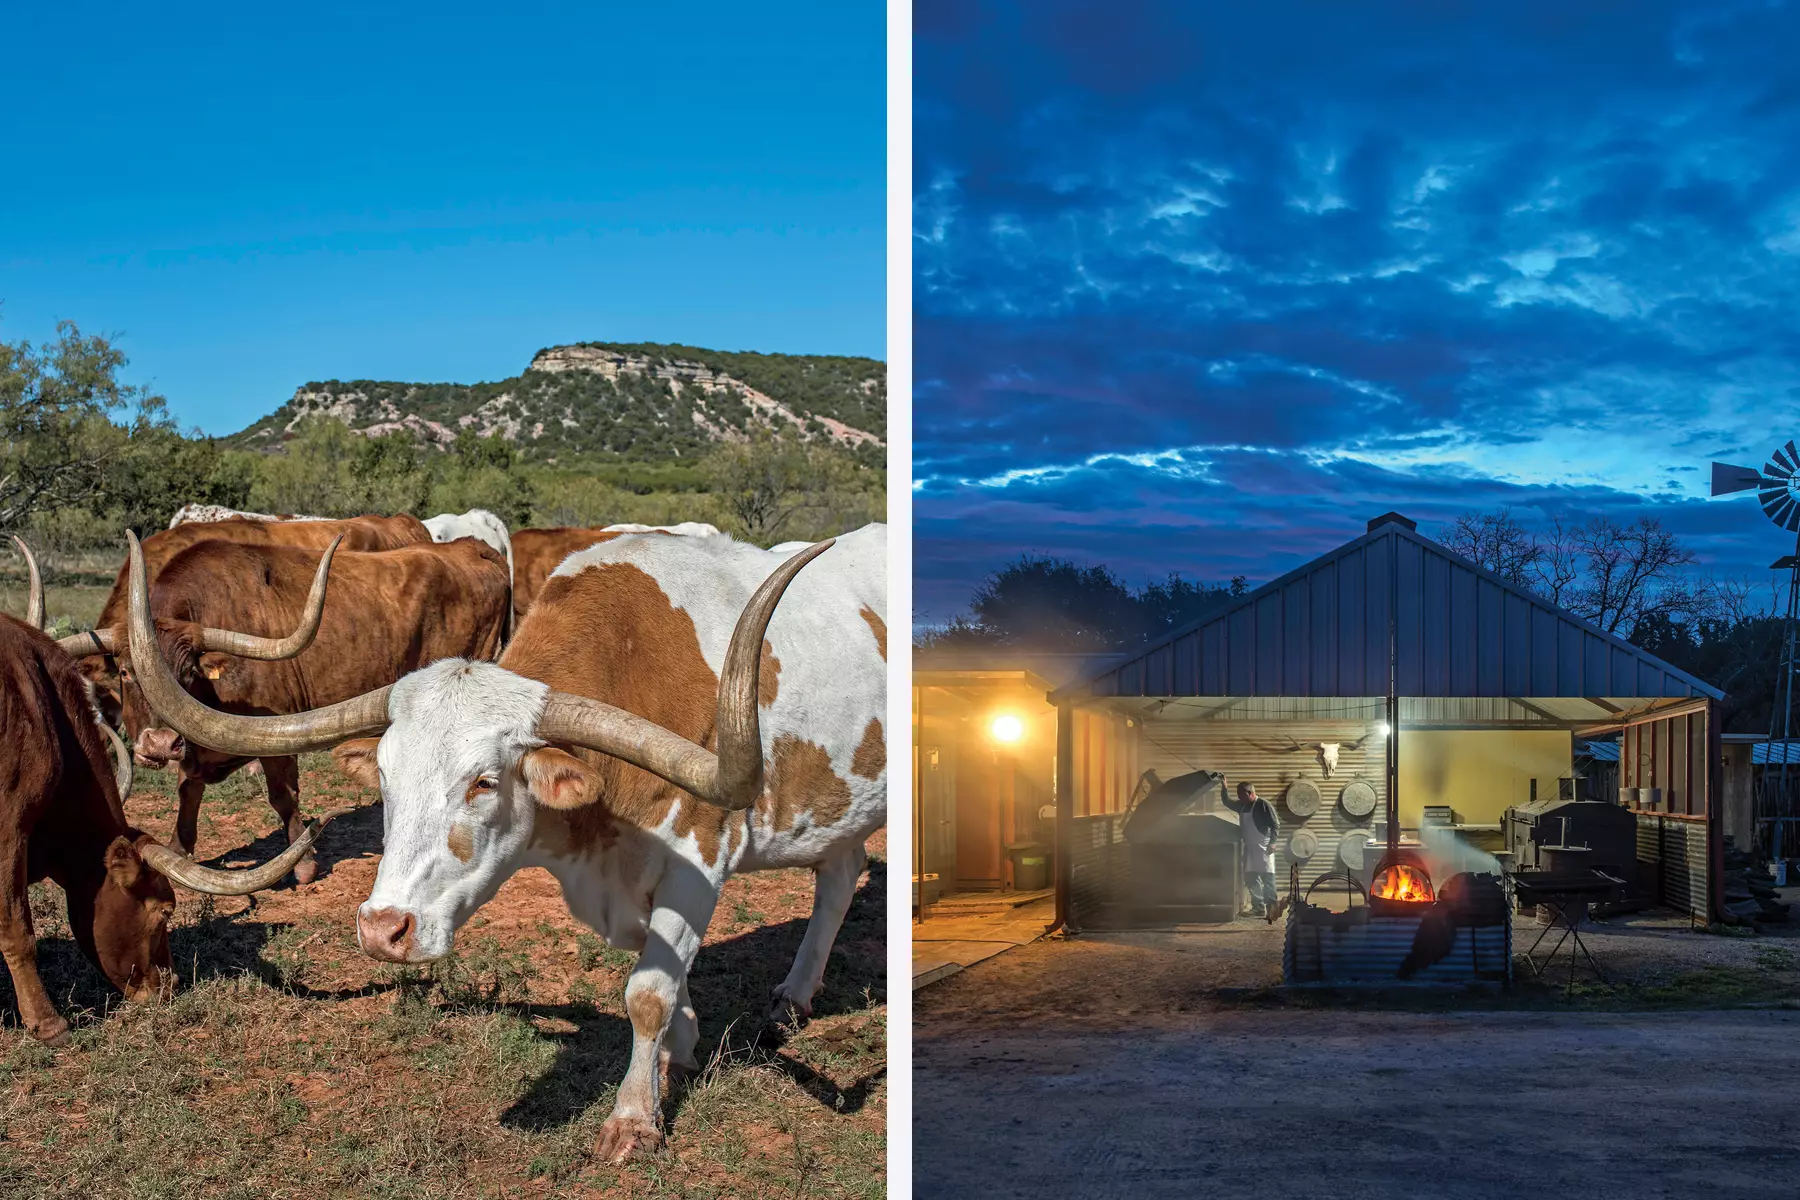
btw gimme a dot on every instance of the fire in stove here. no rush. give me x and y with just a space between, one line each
1402 881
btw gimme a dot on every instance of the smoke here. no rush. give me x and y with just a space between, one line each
1446 855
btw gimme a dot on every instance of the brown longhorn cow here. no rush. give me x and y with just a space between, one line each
359 533
389 613
62 817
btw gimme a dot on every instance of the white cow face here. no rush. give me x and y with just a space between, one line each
1328 757
454 771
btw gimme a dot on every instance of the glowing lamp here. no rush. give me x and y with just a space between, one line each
1007 729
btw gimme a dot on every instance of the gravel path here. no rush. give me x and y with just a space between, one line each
1395 1105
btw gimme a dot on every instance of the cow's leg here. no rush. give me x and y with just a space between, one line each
283 777
683 906
190 789
832 890
682 1038
18 944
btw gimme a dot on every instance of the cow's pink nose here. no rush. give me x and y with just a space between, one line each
156 747
385 933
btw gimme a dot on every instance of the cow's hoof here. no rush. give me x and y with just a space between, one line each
788 1012
623 1138
306 870
54 1032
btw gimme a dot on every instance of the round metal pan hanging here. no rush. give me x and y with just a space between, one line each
1303 845
1353 849
1358 798
1302 798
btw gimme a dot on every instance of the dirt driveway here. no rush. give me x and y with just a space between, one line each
1148 1065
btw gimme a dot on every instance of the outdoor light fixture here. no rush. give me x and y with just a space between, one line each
1384 729
1007 729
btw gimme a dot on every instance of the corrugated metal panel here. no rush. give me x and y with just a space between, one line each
1096 865
1371 954
1677 854
1322 630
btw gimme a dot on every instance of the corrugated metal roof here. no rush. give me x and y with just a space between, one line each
1601 751
1775 752
1322 630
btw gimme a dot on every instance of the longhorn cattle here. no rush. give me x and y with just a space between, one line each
62 817
582 751
359 533
390 613
538 552
189 513
476 523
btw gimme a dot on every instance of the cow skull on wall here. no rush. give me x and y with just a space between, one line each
1327 756
1327 751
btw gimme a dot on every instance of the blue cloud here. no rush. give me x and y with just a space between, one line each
1205 287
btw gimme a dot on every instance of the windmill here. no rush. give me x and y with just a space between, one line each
1778 491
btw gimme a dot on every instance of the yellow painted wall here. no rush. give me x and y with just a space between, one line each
1479 773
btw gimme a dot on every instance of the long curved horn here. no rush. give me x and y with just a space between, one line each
732 778
97 641
216 882
124 769
249 645
230 733
34 596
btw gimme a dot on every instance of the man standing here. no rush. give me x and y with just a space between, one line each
1257 827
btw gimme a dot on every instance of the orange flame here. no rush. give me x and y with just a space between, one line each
1402 882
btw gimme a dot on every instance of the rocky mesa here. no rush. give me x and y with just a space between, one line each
635 400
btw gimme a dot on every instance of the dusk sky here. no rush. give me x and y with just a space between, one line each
253 197
1203 287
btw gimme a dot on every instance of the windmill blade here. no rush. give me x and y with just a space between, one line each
1727 479
1784 463
1781 509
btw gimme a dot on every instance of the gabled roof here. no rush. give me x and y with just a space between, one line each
1323 630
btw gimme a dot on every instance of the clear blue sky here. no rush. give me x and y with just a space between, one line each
252 198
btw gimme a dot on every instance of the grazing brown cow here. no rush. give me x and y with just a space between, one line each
389 613
538 552
62 817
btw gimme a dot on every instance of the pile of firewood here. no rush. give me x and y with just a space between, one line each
1750 895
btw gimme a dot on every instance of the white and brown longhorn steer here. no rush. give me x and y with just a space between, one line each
584 751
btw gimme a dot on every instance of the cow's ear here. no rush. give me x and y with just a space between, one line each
558 779
123 865
356 759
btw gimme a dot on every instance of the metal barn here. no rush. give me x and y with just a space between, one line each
1389 682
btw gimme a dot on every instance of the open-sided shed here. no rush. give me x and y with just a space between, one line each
1445 691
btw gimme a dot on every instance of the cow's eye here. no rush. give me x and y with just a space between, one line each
484 784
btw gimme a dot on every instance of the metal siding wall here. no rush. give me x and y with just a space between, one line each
1267 681
1213 675
1325 638
1434 670
1464 632
1680 857
1096 865
1544 659
1378 590
1515 670
1490 620
1240 654
1352 619
1295 679
1175 747
1372 954
1409 607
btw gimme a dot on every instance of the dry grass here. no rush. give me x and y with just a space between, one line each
289 1064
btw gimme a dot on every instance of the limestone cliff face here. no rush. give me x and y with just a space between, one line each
651 401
